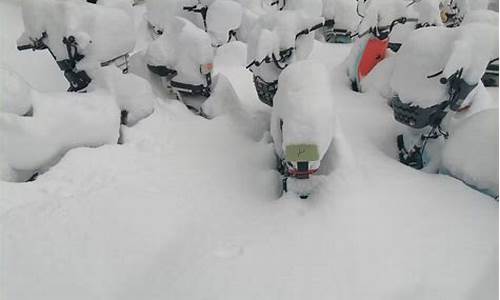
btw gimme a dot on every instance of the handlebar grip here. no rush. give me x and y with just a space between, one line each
25 47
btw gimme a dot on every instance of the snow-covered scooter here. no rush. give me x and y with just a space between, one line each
302 125
379 19
183 58
219 18
372 43
79 36
340 15
490 77
423 98
278 39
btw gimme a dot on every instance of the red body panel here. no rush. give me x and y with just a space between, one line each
374 53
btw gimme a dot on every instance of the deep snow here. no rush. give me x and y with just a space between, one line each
189 208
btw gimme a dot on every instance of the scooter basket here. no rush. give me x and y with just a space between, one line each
265 90
416 116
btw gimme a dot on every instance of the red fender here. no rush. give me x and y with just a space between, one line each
374 52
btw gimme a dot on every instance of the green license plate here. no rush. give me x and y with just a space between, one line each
302 152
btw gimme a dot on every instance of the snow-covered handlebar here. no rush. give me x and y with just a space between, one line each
382 32
285 53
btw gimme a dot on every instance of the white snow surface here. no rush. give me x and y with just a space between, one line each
15 92
313 8
60 122
189 208
483 16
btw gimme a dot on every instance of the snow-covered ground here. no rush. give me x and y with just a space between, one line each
189 208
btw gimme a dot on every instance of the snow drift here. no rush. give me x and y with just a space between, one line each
60 121
471 152
15 93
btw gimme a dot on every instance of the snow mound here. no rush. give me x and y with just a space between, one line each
160 12
471 152
223 16
428 12
15 93
60 122
304 104
248 20
313 8
132 93
382 13
223 99
482 16
343 12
